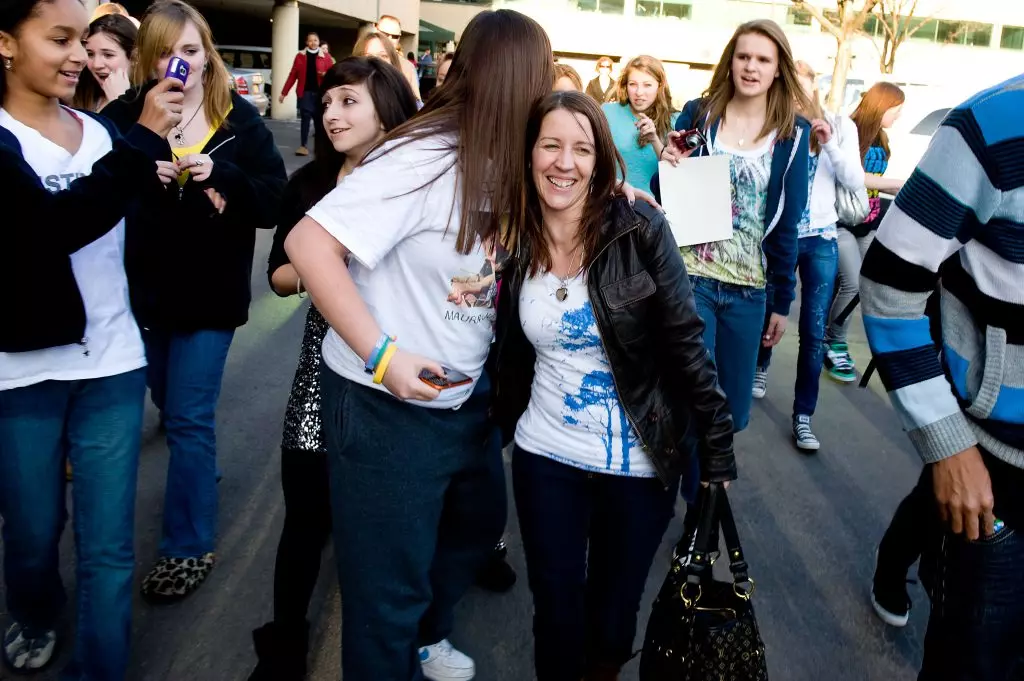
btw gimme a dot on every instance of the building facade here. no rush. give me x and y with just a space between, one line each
967 41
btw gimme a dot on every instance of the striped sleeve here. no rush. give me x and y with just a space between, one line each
946 200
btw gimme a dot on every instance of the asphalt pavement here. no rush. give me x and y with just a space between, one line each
809 526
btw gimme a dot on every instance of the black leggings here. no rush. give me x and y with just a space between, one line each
307 526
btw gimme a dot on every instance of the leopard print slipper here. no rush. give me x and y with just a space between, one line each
173 579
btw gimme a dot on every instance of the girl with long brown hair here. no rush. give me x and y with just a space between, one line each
879 108
600 366
834 159
750 114
640 118
109 47
388 258
193 237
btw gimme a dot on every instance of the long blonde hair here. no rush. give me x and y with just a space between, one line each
660 110
161 28
814 110
360 48
785 96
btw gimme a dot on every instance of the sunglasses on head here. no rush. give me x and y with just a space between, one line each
393 36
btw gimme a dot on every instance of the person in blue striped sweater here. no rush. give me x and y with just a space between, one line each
962 400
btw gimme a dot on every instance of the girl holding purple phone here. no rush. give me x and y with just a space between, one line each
221 177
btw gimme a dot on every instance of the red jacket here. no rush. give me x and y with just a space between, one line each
298 72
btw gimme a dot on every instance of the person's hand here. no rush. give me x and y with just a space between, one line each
115 84
402 378
776 328
725 485
162 108
822 130
167 171
199 166
672 153
217 199
963 491
280 98
632 194
645 127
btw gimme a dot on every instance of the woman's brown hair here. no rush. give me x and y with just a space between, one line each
89 92
566 71
607 160
814 110
785 96
483 108
661 109
360 48
161 28
869 114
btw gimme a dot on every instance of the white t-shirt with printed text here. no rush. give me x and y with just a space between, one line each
400 225
574 415
112 344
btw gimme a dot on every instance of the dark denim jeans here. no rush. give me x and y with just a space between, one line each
733 317
185 372
418 505
309 114
976 628
589 540
817 261
95 423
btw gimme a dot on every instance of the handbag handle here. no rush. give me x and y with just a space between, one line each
715 512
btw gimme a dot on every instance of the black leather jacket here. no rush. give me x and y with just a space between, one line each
653 338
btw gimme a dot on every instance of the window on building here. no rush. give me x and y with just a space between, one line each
678 9
798 17
1012 38
603 6
964 33
923 29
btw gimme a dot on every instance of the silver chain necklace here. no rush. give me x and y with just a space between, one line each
562 292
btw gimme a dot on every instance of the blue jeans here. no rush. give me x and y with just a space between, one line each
309 114
817 261
733 317
976 627
185 372
96 424
589 540
418 505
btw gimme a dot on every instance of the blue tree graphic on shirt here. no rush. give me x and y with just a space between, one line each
596 403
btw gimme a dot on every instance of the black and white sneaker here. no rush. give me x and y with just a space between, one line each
26 652
760 388
802 434
889 597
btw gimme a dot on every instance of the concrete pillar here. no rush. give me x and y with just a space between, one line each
997 33
284 42
629 8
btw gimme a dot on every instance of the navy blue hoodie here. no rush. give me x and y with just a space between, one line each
787 198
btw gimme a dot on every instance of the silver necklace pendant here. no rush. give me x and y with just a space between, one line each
562 293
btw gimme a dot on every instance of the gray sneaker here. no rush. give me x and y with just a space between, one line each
760 388
802 434
28 653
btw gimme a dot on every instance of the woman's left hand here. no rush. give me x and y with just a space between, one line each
776 329
822 130
217 199
632 194
199 166
645 126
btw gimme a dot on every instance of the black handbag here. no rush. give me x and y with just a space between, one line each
702 629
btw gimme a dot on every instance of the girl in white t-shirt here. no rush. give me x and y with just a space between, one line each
72 380
386 257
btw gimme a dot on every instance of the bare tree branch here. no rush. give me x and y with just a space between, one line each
820 16
865 12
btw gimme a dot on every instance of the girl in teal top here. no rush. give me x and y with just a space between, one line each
640 118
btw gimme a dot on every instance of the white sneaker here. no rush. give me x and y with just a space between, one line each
442 662
24 654
760 388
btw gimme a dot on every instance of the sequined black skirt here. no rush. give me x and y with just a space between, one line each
303 428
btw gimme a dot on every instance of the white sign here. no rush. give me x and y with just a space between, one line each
697 198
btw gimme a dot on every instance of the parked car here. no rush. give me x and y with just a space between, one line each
250 73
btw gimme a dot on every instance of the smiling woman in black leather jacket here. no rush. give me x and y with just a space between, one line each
600 370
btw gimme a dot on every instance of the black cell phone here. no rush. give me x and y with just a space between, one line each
451 379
